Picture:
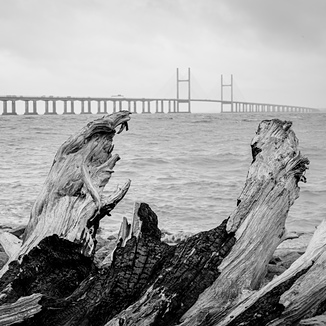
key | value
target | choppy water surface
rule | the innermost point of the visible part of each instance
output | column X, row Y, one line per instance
column 189, row 168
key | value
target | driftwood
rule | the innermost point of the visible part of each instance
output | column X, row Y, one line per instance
column 215, row 277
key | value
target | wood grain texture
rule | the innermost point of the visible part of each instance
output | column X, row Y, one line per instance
column 258, row 221
column 70, row 203
column 211, row 278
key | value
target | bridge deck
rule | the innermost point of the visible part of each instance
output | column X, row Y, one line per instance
column 9, row 105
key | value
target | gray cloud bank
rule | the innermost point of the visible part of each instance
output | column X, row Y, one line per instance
column 275, row 49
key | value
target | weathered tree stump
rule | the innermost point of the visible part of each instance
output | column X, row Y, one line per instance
column 211, row 278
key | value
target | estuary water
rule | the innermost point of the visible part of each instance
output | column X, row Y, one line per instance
column 190, row 168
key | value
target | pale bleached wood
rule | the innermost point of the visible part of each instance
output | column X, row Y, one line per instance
column 23, row 308
column 258, row 221
column 10, row 243
column 70, row 203
column 308, row 293
column 308, row 261
column 314, row 321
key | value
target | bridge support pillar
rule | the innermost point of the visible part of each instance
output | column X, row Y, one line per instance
column 50, row 109
column 65, row 107
column 46, row 102
column 99, row 107
column 6, row 109
column 72, row 107
column 13, row 108
column 89, row 106
column 82, row 104
column 26, row 108
column 54, row 106
column 34, row 107
column 187, row 81
column 148, row 107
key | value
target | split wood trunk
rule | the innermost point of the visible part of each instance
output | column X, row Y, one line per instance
column 212, row 278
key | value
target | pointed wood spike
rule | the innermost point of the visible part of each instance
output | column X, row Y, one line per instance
column 124, row 232
column 136, row 222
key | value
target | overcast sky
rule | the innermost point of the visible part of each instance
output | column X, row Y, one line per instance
column 275, row 49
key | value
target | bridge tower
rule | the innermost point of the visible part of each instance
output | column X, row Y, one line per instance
column 179, row 80
column 231, row 94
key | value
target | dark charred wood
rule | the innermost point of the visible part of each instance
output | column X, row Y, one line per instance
column 193, row 268
column 106, row 292
column 184, row 271
column 55, row 267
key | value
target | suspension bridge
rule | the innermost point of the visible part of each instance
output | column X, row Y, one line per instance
column 177, row 104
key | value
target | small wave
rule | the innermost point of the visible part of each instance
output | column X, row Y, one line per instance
column 250, row 120
column 202, row 121
column 313, row 193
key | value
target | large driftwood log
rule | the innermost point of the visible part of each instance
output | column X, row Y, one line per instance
column 256, row 227
column 70, row 203
column 212, row 278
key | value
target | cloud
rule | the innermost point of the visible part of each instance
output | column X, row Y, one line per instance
column 283, row 25
column 94, row 47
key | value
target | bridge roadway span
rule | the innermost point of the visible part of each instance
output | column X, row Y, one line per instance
column 162, row 105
